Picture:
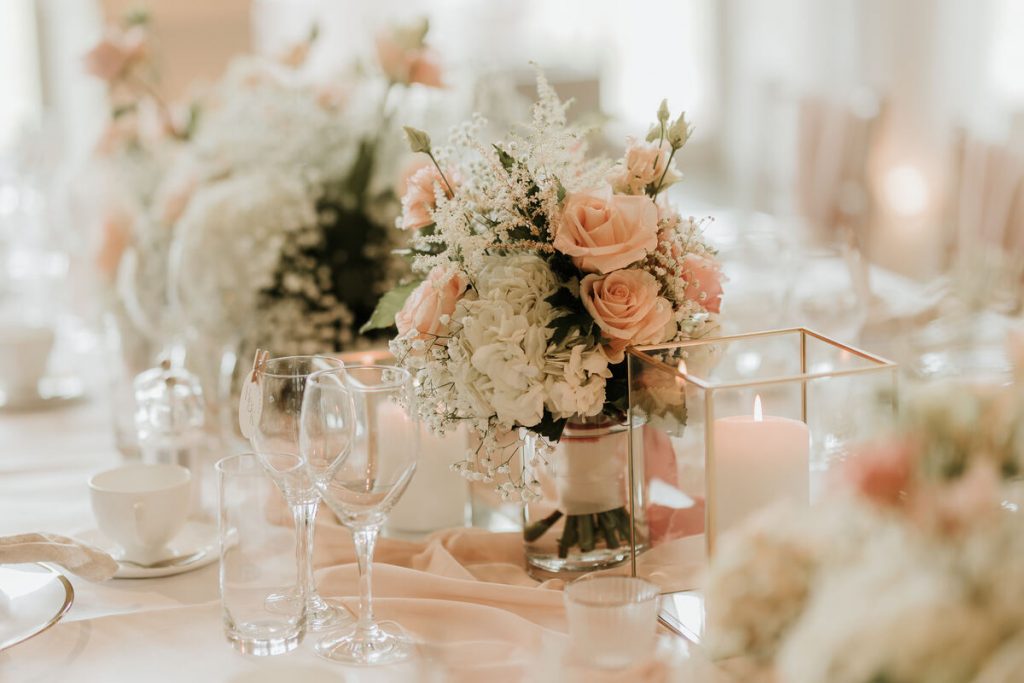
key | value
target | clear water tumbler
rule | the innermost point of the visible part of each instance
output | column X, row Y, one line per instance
column 259, row 559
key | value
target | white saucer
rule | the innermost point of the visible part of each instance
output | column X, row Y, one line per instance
column 195, row 537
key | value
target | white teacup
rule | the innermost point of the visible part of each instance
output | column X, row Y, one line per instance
column 142, row 507
column 24, row 353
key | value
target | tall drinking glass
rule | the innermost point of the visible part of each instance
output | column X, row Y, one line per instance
column 360, row 445
column 258, row 554
column 282, row 382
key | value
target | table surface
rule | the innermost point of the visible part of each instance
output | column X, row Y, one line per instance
column 157, row 629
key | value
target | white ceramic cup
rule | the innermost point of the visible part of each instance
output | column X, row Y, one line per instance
column 142, row 507
column 24, row 353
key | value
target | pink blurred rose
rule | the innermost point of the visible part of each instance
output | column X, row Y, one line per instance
column 703, row 281
column 116, row 53
column 434, row 298
column 603, row 232
column 644, row 164
column 627, row 308
column 405, row 59
column 882, row 472
column 420, row 198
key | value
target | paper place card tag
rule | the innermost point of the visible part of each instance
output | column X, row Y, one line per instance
column 250, row 405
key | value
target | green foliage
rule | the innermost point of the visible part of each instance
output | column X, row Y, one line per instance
column 390, row 304
column 574, row 318
column 347, row 249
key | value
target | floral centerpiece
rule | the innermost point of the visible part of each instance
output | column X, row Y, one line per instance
column 535, row 267
column 262, row 209
column 911, row 572
column 290, row 190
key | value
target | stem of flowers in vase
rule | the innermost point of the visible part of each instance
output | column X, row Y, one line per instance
column 584, row 531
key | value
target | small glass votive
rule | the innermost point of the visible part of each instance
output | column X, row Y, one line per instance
column 612, row 620
column 258, row 560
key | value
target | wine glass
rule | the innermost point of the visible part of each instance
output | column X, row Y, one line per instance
column 360, row 447
column 282, row 382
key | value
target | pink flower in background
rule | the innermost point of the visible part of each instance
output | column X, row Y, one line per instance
column 627, row 308
column 603, row 232
column 420, row 198
column 882, row 472
column 406, row 59
column 703, row 281
column 114, row 56
column 433, row 299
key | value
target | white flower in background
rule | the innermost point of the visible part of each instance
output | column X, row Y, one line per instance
column 899, row 615
column 231, row 237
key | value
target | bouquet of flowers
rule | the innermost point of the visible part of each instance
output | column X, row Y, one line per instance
column 274, row 209
column 535, row 268
column 913, row 572
column 285, row 235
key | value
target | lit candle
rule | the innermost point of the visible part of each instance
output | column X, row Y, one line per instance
column 759, row 460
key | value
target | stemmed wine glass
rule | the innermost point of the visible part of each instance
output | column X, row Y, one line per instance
column 282, row 382
column 360, row 447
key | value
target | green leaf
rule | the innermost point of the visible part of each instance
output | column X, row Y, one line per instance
column 506, row 159
column 391, row 303
column 193, row 120
column 561, row 190
column 122, row 110
column 563, row 327
column 362, row 170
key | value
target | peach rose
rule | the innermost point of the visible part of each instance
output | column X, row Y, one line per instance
column 603, row 232
column 644, row 164
column 415, row 163
column 116, row 54
column 405, row 59
column 434, row 298
column 627, row 308
column 420, row 197
column 703, row 282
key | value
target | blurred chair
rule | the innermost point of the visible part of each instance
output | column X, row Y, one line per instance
column 985, row 221
column 834, row 143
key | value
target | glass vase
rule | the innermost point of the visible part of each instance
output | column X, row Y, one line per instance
column 589, row 515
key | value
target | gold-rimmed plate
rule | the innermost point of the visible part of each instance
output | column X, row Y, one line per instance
column 33, row 597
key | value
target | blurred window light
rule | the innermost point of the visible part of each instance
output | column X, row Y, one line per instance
column 19, row 72
column 906, row 190
column 1007, row 56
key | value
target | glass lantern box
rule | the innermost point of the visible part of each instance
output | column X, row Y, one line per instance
column 733, row 424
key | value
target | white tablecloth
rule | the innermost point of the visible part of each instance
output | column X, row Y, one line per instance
column 169, row 629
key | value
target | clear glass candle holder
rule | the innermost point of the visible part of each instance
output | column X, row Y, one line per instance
column 612, row 620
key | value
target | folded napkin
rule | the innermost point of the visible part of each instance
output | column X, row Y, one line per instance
column 78, row 558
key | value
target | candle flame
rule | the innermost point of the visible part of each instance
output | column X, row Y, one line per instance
column 681, row 367
column 367, row 359
column 758, row 415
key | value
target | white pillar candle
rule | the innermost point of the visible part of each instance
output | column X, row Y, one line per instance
column 758, row 460
column 436, row 497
